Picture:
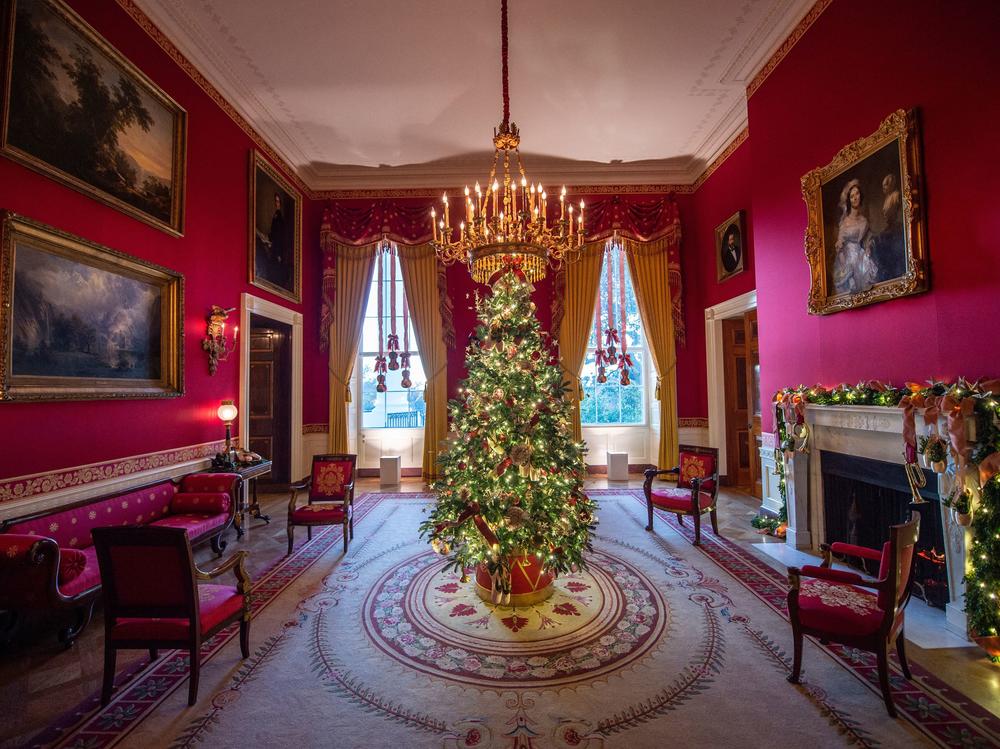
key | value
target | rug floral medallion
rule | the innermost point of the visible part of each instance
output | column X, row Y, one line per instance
column 656, row 641
column 596, row 621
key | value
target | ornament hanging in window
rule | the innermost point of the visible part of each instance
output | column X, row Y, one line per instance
column 600, row 356
column 404, row 358
column 392, row 344
column 624, row 360
column 380, row 365
column 611, row 335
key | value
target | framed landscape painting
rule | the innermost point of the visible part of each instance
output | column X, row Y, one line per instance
column 275, row 231
column 865, row 235
column 83, row 321
column 76, row 110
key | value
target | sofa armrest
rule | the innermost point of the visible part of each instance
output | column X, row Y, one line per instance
column 836, row 576
column 29, row 571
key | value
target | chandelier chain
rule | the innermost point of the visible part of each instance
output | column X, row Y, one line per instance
column 503, row 63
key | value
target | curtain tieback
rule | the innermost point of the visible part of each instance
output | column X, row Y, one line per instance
column 659, row 383
column 347, row 387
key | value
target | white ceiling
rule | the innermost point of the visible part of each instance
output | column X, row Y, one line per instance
column 396, row 93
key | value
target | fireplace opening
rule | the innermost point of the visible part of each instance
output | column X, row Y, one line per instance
column 863, row 497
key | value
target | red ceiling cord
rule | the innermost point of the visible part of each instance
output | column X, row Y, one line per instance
column 503, row 60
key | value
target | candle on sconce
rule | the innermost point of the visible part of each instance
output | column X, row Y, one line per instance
column 571, row 220
column 446, row 221
column 434, row 226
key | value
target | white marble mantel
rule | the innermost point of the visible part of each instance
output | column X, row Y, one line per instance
column 873, row 432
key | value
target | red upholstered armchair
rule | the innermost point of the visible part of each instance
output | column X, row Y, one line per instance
column 167, row 609
column 695, row 493
column 331, row 497
column 845, row 607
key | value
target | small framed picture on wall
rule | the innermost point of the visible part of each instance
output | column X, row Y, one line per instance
column 730, row 247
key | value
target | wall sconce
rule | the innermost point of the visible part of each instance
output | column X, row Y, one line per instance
column 215, row 339
column 227, row 413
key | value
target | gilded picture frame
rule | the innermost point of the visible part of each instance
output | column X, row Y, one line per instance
column 275, row 231
column 863, row 250
column 730, row 247
column 80, row 321
column 130, row 155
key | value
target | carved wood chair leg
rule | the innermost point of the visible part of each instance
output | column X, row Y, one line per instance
column 153, row 654
column 291, row 538
column 309, row 533
column 347, row 537
column 352, row 527
column 83, row 614
column 108, row 683
column 697, row 529
column 193, row 680
column 796, row 656
column 245, row 638
column 901, row 652
column 715, row 522
column 649, row 512
column 883, row 679
column 680, row 518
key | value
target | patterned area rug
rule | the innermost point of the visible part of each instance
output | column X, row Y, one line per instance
column 657, row 640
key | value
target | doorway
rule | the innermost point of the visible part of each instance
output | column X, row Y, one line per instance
column 270, row 395
column 741, row 367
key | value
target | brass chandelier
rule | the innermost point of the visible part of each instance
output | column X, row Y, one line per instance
column 506, row 224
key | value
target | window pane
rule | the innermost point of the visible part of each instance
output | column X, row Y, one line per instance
column 612, row 402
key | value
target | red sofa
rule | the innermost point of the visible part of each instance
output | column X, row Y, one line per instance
column 48, row 561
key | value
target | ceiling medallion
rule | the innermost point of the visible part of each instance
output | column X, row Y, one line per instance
column 507, row 222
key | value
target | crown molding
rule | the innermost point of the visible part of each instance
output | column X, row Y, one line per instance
column 181, row 37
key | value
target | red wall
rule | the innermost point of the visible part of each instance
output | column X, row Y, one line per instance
column 212, row 256
column 726, row 191
column 845, row 75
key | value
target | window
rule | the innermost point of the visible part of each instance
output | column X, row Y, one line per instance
column 398, row 407
column 611, row 403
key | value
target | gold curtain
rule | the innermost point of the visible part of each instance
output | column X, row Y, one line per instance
column 353, row 267
column 581, row 281
column 421, row 271
column 649, row 267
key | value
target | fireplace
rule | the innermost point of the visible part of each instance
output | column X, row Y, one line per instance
column 862, row 497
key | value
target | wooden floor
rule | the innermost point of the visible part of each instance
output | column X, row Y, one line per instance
column 40, row 680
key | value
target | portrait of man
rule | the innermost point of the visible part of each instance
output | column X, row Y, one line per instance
column 274, row 231
column 729, row 246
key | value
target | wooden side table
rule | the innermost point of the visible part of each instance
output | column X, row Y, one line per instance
column 248, row 504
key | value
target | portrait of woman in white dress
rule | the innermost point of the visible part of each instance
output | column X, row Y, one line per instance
column 854, row 267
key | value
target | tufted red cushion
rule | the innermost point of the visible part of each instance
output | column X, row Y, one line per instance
column 89, row 578
column 321, row 513
column 195, row 525
column 678, row 500
column 216, row 603
column 838, row 608
column 200, row 503
column 330, row 479
column 212, row 483
column 70, row 529
column 696, row 465
column 71, row 564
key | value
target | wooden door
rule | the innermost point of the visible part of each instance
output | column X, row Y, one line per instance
column 753, row 398
column 270, row 398
column 734, row 351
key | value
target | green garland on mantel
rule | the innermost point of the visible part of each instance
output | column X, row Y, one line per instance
column 971, row 447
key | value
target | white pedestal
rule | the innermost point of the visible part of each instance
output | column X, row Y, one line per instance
column 617, row 466
column 389, row 470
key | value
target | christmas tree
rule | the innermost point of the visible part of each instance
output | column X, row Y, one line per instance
column 982, row 580
column 511, row 477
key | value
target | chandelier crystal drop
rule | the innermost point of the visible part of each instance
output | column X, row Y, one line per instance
column 505, row 223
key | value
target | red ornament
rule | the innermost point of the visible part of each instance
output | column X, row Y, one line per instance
column 504, row 465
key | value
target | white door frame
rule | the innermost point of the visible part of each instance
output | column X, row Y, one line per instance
column 250, row 304
column 714, row 316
